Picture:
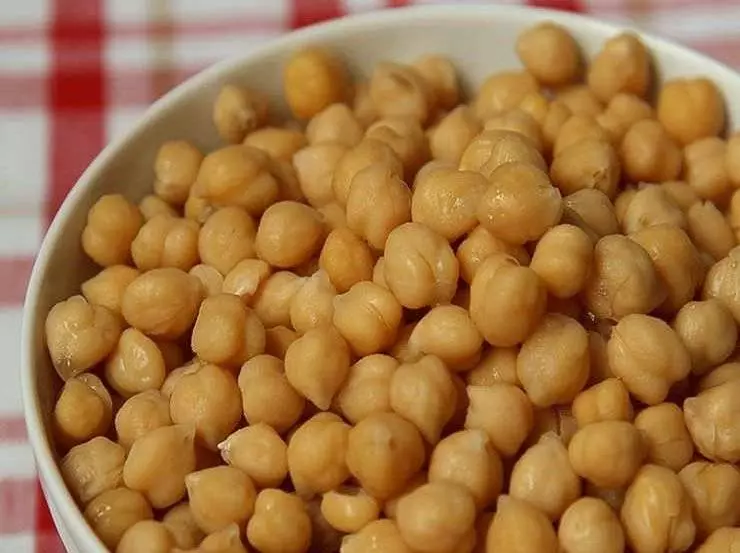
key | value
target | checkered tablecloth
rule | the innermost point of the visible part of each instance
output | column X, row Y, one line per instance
column 75, row 73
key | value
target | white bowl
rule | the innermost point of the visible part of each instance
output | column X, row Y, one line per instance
column 479, row 39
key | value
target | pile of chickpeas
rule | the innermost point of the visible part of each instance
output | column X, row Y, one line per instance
column 412, row 322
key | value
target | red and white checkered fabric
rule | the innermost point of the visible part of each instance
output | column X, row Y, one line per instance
column 75, row 73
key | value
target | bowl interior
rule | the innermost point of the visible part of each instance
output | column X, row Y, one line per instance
column 480, row 40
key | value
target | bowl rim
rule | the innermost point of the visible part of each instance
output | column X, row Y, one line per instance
column 47, row 468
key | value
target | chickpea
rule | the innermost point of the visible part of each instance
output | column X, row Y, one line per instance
column 648, row 356
column 720, row 282
column 107, row 287
column 622, row 112
column 317, row 364
column 366, row 154
column 519, row 526
column 536, row 105
column 722, row 539
column 649, row 154
column 503, row 91
column 212, row 282
column 651, row 207
column 562, row 259
column 550, row 54
column 151, row 205
column 314, row 167
column 622, row 65
column 289, row 234
column 279, row 143
column 289, row 188
column 623, row 279
column 720, row 375
column 146, row 536
column 589, row 524
column 280, row 523
column 607, row 400
column 507, row 301
column 708, row 331
column 420, row 267
column 733, row 216
column 220, row 496
column 166, row 241
column 712, row 422
column 553, row 420
column 441, row 77
column 448, row 333
column 336, row 124
column 680, row 193
column 93, row 467
column 112, row 224
column 520, row 121
column 140, row 414
column 710, row 231
column 259, row 451
column 613, row 498
column 479, row 245
column 622, row 202
column 278, row 339
column 656, row 514
column 114, row 511
column 581, row 100
column 424, row 393
column 208, row 398
column 245, row 278
column 504, row 412
column 578, row 128
column 226, row 540
column 496, row 365
column 713, row 489
column 82, row 411
column 493, row 148
column 313, row 79
column 346, row 258
column 665, row 435
column 349, row 510
column 180, row 522
column 451, row 136
column 405, row 137
column 705, row 169
column 196, row 208
column 380, row 536
column 367, row 388
column 690, row 109
column 383, row 452
column 400, row 91
column 266, row 394
column 238, row 111
column 135, row 365
column 313, row 304
column 273, row 298
column 557, row 115
column 590, row 163
column 607, row 453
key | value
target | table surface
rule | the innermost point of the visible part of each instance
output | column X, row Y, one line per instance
column 76, row 73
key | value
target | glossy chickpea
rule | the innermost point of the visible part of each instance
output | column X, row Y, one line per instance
column 317, row 364
column 578, row 128
column 622, row 112
column 82, row 411
column 245, row 278
column 336, row 124
column 384, row 451
column 604, row 401
column 607, row 454
column 721, row 282
column 507, row 301
column 665, row 435
column 314, row 166
column 441, row 78
column 713, row 489
column 146, row 536
column 378, row 202
column 368, row 317
column 496, row 365
column 478, row 245
column 622, row 202
column 590, row 524
column 517, row 120
column 135, row 365
column 368, row 152
column 278, row 143
column 711, row 418
column 273, row 298
column 503, row 91
column 278, row 339
column 367, row 388
column 705, row 169
column 690, row 109
column 211, row 280
column 656, row 514
column 181, row 524
column 719, row 375
column 502, row 411
column 623, row 279
column 226, row 238
column 238, row 111
column 151, row 205
column 449, row 138
column 536, row 105
column 557, row 115
column 519, row 526
column 208, row 398
column 649, row 154
column 312, row 305
column 313, row 79
column 362, row 104
column 346, row 259
column 220, row 496
column 378, row 536
column 112, row 224
column 399, row 90
column 349, row 509
column 549, row 53
column 114, row 511
column 405, row 137
column 289, row 234
column 708, row 331
column 648, row 356
column 107, row 287
column 650, row 207
column 722, row 539
column 175, row 170
column 622, row 65
column 491, row 149
column 420, row 267
column 259, row 451
column 562, row 260
column 141, row 414
column 92, row 468
column 590, row 163
column 709, row 230
column 267, row 396
column 280, row 523
column 680, row 193
column 447, row 332
column 581, row 100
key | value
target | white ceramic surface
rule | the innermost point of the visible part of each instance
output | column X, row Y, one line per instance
column 479, row 40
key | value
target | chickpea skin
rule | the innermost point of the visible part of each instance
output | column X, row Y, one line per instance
column 708, row 331
column 107, row 287
column 562, row 260
column 479, row 245
column 280, row 523
column 93, row 467
column 367, row 388
column 380, row 536
column 313, row 79
column 713, row 489
column 219, row 496
column 549, row 53
column 449, row 138
column 181, row 524
column 136, row 365
column 712, row 420
column 140, row 414
column 113, row 512
column 503, row 91
column 656, row 514
column 590, row 163
column 267, row 396
column 349, row 510
column 493, row 148
column 146, row 536
column 211, row 280
column 590, row 524
column 690, row 109
column 648, row 356
column 112, row 224
column 82, row 411
column 399, row 90
column 520, row 204
column 384, row 451
column 622, row 65
column 346, row 258
column 665, row 435
column 519, row 526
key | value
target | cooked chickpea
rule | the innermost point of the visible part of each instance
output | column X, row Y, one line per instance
column 313, row 79
column 588, row 525
column 650, row 207
column 336, row 124
column 604, row 401
column 712, row 420
column 680, row 193
column 220, row 496
column 503, row 91
column 607, row 454
column 312, row 305
column 562, row 260
column 590, row 163
column 441, row 78
column 623, row 279
column 146, row 536
column 226, row 540
column 93, row 467
column 710, row 231
column 554, row 420
column 380, row 536
column 713, row 489
column 211, row 280
column 135, row 365
column 107, row 287
column 289, row 234
column 279, row 143
column 622, row 202
column 317, row 364
column 622, row 112
column 519, row 121
column 656, row 514
column 238, row 111
column 208, row 398
column 549, row 53
column 114, row 511
column 150, row 206
column 273, row 298
column 581, row 100
column 82, row 411
column 708, row 331
column 622, row 65
column 244, row 279
column 140, row 414
column 721, row 540
column 367, row 153
column 346, row 258
column 722, row 282
column 400, row 91
column 420, row 267
column 705, row 169
column 578, row 128
column 649, row 154
column 112, row 224
column 181, row 524
column 557, row 115
column 648, row 356
column 175, row 169
column 405, row 137
column 536, row 105
column 665, row 435
column 447, row 332
column 496, row 365
column 519, row 526
column 314, row 166
column 349, row 510
column 719, row 375
column 259, row 451
column 493, row 148
column 690, row 109
column 278, row 339
column 166, row 241
column 507, row 301
column 451, row 136
column 479, row 245
column 266, row 394
column 367, row 388
column 280, row 523
column 504, row 412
